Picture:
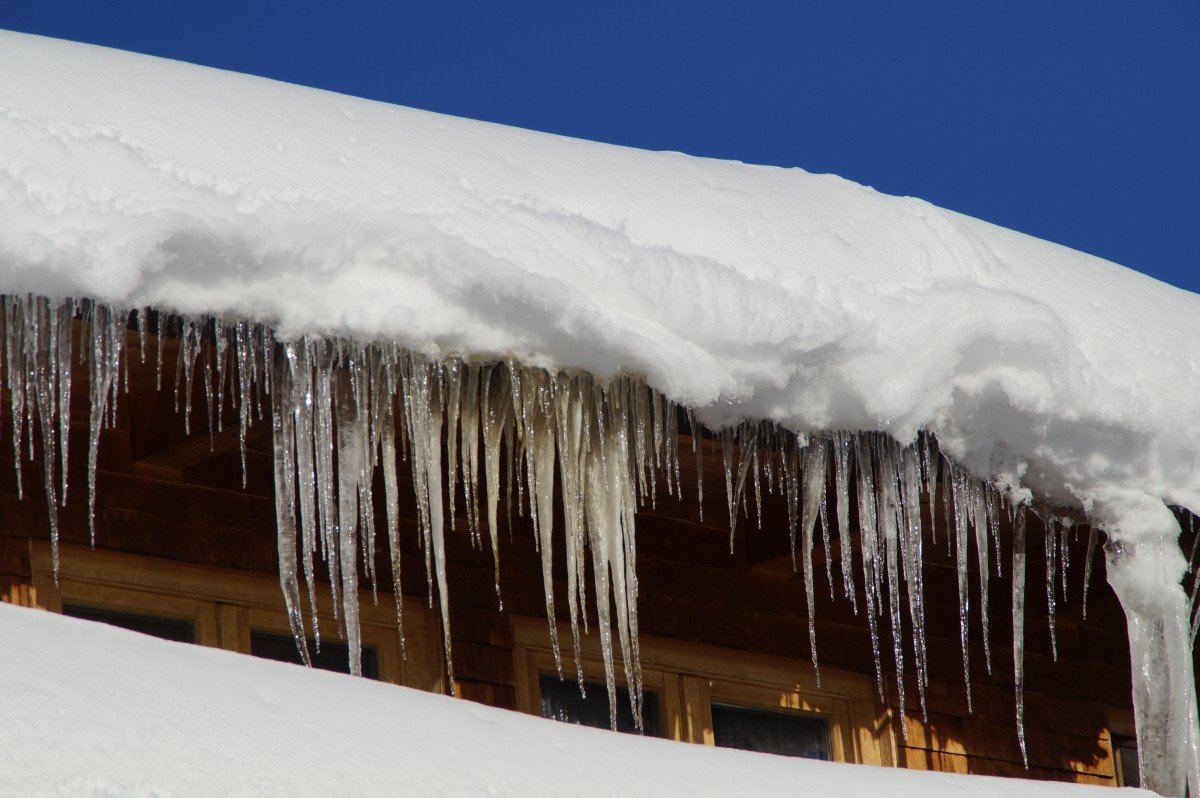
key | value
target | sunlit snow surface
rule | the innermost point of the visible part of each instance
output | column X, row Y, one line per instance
column 105, row 712
column 405, row 238
column 742, row 291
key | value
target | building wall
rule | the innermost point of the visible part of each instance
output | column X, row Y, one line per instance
column 166, row 495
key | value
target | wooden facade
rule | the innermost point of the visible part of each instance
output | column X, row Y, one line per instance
column 178, row 535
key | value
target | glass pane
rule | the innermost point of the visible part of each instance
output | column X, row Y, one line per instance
column 562, row 701
column 771, row 731
column 332, row 656
column 1128, row 754
column 166, row 628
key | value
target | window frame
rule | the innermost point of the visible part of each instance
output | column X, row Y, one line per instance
column 224, row 605
column 1120, row 724
column 119, row 600
column 540, row 662
column 689, row 677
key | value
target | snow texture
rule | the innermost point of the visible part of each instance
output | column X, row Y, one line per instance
column 105, row 712
column 741, row 291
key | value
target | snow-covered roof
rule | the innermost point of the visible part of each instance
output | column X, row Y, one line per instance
column 742, row 291
column 106, row 712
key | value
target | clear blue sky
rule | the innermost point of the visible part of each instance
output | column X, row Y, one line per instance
column 1073, row 121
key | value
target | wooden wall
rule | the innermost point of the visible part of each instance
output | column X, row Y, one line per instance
column 167, row 495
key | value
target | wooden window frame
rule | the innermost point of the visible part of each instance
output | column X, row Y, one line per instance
column 224, row 606
column 1120, row 724
column 689, row 677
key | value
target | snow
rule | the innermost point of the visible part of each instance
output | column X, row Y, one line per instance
column 741, row 291
column 367, row 264
column 106, row 712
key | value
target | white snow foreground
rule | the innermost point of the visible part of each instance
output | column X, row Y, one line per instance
column 106, row 712
column 406, row 248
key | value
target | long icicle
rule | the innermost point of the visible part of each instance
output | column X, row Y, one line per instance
column 1018, row 619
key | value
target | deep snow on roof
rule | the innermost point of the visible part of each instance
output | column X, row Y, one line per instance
column 107, row 712
column 742, row 291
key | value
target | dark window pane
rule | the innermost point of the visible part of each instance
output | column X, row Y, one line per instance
column 166, row 628
column 562, row 701
column 1128, row 754
column 770, row 731
column 332, row 656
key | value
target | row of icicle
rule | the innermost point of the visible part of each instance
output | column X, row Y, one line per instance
column 341, row 411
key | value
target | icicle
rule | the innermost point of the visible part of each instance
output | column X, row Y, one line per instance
column 14, row 368
column 427, row 456
column 1064, row 552
column 159, row 336
column 62, row 349
column 1051, row 583
column 453, row 408
column 816, row 458
column 871, row 554
column 303, row 415
column 698, row 451
column 1191, row 566
column 497, row 414
column 1018, row 618
column 610, row 501
column 970, row 502
column 747, row 446
column 888, row 515
column 209, row 388
column 1161, row 659
column 221, row 342
column 283, row 429
column 351, row 440
column 323, row 445
column 107, row 333
column 391, row 492
column 143, row 329
column 369, row 407
column 469, row 424
column 758, row 502
column 912, row 551
column 41, row 359
column 727, row 461
column 841, row 478
column 823, row 514
column 243, row 354
column 1087, row 567
column 540, row 447
column 962, row 561
column 569, row 418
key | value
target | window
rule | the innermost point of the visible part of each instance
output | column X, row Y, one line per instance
column 712, row 696
column 561, row 699
column 331, row 656
column 1122, row 736
column 231, row 610
column 175, row 629
column 1125, row 754
column 770, row 731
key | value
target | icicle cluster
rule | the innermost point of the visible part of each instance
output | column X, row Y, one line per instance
column 341, row 412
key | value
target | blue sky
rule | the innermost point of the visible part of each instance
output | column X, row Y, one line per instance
column 1076, row 122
